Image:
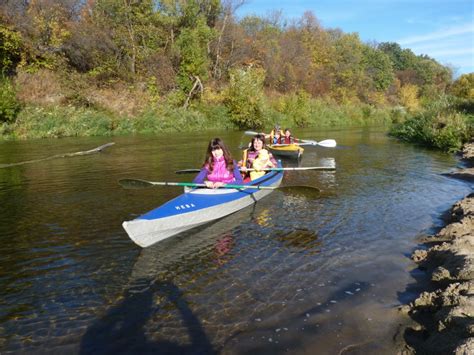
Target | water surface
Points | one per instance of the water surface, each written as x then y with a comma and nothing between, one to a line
294,273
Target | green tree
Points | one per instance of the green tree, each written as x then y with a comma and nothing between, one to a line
134,27
402,59
244,97
10,50
349,80
378,68
463,86
192,44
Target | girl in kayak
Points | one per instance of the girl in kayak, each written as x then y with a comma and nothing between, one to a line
218,168
260,163
250,154
288,137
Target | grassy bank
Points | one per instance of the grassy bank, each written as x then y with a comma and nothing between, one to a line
445,124
70,121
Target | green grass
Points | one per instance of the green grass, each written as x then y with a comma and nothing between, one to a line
441,126
70,121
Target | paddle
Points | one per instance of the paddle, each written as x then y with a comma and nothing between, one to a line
141,184
299,144
189,171
328,143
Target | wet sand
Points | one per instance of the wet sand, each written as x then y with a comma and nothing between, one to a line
442,319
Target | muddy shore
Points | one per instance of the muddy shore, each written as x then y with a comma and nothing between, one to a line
442,319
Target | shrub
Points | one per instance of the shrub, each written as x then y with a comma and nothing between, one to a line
244,97
443,129
298,107
9,105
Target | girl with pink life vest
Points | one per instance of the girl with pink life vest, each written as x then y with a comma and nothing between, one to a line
218,168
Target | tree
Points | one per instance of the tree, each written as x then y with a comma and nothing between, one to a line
10,50
402,59
409,96
378,68
463,87
133,27
244,97
349,80
192,45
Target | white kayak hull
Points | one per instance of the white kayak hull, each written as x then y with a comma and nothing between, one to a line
194,208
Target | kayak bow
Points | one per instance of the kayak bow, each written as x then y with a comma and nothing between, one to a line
194,208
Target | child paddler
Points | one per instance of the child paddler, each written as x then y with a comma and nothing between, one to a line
218,168
250,154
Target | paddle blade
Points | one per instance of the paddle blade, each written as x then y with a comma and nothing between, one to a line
135,184
301,191
187,171
328,143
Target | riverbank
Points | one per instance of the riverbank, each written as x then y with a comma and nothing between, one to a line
59,121
443,319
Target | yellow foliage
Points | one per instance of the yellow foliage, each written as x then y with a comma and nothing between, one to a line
408,95
464,86
377,98
211,96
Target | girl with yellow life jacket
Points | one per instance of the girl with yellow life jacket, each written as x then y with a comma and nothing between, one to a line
261,162
250,154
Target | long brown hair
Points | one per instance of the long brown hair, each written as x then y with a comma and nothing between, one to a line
214,144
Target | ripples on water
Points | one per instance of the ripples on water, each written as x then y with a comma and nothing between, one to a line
296,271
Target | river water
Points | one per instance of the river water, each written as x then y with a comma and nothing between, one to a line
297,272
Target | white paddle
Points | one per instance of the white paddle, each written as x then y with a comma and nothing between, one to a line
328,168
328,143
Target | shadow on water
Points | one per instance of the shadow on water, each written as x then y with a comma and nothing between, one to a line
151,294
122,329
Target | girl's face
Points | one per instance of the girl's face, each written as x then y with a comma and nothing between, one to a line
217,152
258,144
287,133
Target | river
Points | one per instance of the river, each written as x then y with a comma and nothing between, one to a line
320,273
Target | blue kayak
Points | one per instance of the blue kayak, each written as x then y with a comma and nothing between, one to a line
196,207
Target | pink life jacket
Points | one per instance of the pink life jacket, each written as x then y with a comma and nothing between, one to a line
220,172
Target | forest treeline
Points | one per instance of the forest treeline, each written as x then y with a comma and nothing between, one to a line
181,60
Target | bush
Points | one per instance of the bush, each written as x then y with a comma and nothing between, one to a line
298,107
244,98
445,130
9,105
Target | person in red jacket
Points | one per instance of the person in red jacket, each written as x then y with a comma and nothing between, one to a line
288,137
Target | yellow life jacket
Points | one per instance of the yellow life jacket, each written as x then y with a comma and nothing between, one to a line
272,135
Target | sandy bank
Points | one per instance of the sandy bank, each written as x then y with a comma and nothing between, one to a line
443,320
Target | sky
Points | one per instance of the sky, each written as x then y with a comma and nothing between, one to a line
441,29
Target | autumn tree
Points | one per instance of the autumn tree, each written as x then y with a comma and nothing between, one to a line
244,97
463,86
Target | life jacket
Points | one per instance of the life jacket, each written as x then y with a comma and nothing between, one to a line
220,173
272,136
248,158
262,161
289,140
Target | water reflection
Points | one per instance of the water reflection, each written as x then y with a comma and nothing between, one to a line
222,249
299,240
72,281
